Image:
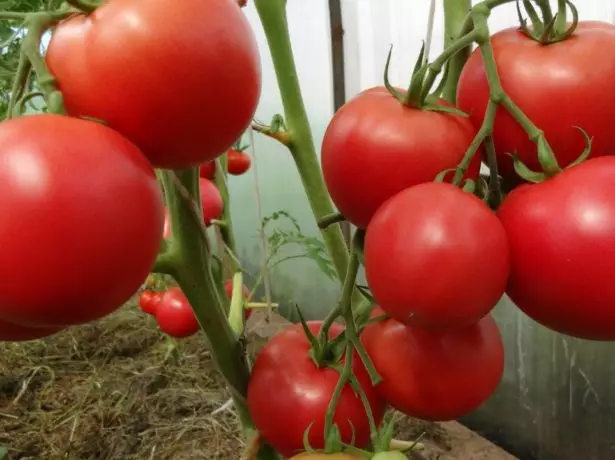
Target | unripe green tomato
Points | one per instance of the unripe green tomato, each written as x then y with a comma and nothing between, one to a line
394,455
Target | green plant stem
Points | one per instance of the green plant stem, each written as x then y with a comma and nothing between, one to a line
20,84
13,16
85,6
272,14
37,24
455,12
236,312
226,231
193,274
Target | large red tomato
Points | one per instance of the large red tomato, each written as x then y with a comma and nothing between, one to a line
238,162
558,86
180,79
562,245
375,147
436,375
301,394
80,212
11,332
436,256
175,316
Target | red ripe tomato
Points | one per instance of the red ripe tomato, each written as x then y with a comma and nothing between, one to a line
208,170
11,332
304,390
238,162
425,253
228,288
436,375
211,201
123,63
375,147
149,300
175,316
80,212
562,244
558,86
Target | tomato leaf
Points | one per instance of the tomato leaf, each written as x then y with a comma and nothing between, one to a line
432,107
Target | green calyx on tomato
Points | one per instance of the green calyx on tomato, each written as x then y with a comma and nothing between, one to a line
548,161
552,28
416,97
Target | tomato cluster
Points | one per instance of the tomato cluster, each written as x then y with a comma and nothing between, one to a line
173,312
81,210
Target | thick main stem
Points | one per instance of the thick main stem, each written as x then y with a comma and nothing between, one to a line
193,274
301,143
455,12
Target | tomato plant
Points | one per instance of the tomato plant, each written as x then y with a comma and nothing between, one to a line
228,289
239,162
559,87
11,332
175,316
425,256
188,44
211,204
149,300
436,375
375,147
304,390
562,239
81,212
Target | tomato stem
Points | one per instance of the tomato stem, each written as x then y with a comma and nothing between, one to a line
84,6
236,312
454,15
272,14
167,258
192,271
13,16
37,24
344,378
331,219
20,85
226,231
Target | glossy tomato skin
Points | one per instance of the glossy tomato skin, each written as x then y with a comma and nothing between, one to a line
425,252
149,300
562,244
208,170
436,375
80,212
11,332
228,289
559,86
175,316
375,147
124,62
304,391
238,162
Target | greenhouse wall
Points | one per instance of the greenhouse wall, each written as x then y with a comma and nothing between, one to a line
557,398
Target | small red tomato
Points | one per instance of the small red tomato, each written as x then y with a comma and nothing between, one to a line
149,300
228,288
425,252
435,375
211,200
238,162
208,170
10,332
175,316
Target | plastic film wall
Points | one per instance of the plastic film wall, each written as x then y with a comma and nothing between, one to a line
557,398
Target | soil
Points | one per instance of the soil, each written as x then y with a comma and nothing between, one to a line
111,391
